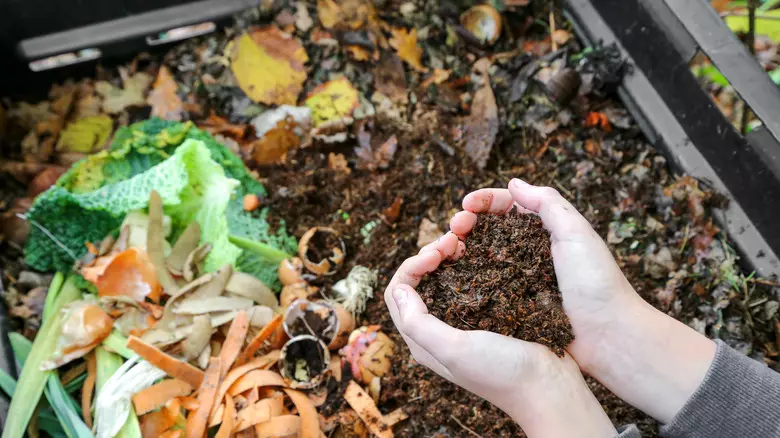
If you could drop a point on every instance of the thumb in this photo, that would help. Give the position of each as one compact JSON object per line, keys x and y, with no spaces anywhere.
{"x":557,"y":214}
{"x":408,"y":303}
{"x":427,"y":331}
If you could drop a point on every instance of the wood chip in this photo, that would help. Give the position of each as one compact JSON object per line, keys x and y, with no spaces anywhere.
{"x":395,"y":417}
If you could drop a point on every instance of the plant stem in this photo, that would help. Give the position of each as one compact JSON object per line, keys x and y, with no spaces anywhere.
{"x":32,"y":380}
{"x":266,"y":251}
{"x":107,"y":364}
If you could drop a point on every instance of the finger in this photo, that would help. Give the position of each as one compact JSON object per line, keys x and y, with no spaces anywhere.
{"x":557,"y":214}
{"x":446,"y":245}
{"x":414,"y":268}
{"x":497,"y":201}
{"x":462,"y":223}
{"x":419,"y":353}
{"x":434,"y":336}
{"x":460,"y":251}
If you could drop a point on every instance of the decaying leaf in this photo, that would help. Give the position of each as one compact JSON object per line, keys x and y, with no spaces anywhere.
{"x":85,"y":135}
{"x":346,"y":14}
{"x":217,"y":125}
{"x":269,"y":66}
{"x":276,"y":142}
{"x":405,"y":43}
{"x":358,"y":53}
{"x":438,"y":77}
{"x":481,"y":126}
{"x":390,"y":78}
{"x":329,"y":13}
{"x":332,"y":101}
{"x":268,"y":120}
{"x":163,"y":99}
{"x":117,"y":99}
{"x":338,"y":163}
{"x":374,"y":158}
{"x":303,"y":20}
{"x":428,"y":232}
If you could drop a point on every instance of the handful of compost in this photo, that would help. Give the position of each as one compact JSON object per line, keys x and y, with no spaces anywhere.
{"x":505,"y":283}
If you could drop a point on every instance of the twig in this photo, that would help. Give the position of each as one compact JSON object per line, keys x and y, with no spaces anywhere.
{"x":685,"y":238}
{"x":552,"y":29}
{"x":764,"y":282}
{"x":566,"y":191}
{"x":465,"y":427}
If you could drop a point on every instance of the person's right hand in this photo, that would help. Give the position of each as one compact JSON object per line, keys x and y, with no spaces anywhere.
{"x":645,"y":357}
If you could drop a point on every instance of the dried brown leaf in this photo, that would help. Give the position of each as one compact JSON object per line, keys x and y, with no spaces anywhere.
{"x":481,"y":126}
{"x":163,"y":99}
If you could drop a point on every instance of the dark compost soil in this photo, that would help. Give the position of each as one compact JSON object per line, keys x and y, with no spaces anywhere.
{"x":505,"y":283}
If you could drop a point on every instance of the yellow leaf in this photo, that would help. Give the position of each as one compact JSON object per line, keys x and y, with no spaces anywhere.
{"x":332,"y":100}
{"x":405,"y":43}
{"x":329,"y":13}
{"x":358,"y":53}
{"x":269,"y":66}
{"x":86,"y":134}
{"x":346,"y":14}
{"x":163,"y":99}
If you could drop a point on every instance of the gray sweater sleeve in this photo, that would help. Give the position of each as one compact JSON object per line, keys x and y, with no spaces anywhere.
{"x":739,"y":397}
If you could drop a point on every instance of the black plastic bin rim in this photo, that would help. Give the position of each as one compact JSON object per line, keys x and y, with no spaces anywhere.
{"x":129,"y":28}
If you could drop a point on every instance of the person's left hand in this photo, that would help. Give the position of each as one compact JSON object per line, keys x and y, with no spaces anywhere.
{"x":545,"y":394}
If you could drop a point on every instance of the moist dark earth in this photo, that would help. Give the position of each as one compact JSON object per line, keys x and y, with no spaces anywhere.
{"x":505,"y":283}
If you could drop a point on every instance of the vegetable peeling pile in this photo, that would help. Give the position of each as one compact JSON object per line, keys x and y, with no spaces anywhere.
{"x":164,"y":308}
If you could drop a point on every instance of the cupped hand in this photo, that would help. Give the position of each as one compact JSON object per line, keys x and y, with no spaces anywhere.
{"x":595,"y":291}
{"x":645,"y":357}
{"x":544,"y":393}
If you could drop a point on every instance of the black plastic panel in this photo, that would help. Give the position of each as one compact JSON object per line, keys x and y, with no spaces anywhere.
{"x":742,"y":169}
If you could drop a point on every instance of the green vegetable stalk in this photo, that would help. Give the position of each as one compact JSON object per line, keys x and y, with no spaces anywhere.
{"x":117,"y":343}
{"x":268,"y":252}
{"x":32,"y":380}
{"x":107,"y":364}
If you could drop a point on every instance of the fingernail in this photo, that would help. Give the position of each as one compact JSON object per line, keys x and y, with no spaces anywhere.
{"x":399,"y":295}
{"x":518,"y":183}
